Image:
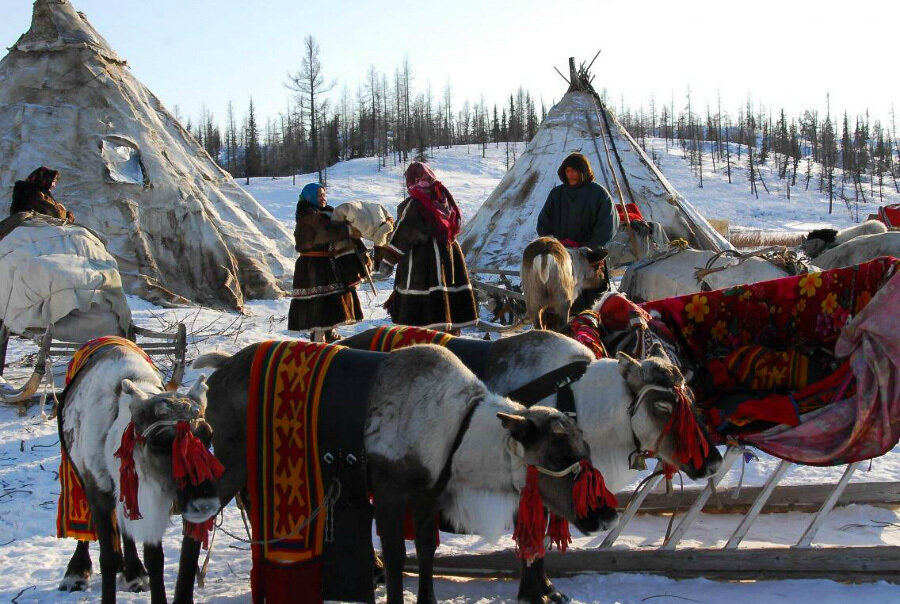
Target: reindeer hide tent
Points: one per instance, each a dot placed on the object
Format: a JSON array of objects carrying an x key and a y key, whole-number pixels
[
  {"x": 175, "y": 222},
  {"x": 498, "y": 233}
]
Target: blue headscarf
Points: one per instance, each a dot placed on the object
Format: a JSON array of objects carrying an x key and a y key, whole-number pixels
[
  {"x": 311, "y": 193},
  {"x": 309, "y": 198}
]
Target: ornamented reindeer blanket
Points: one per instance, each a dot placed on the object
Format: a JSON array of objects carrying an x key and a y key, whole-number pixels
[
  {"x": 73, "y": 514},
  {"x": 309, "y": 511}
]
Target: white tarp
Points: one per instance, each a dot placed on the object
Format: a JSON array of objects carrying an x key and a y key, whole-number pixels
[{"x": 48, "y": 271}]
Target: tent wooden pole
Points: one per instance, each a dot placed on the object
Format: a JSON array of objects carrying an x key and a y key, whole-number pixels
[{"x": 631, "y": 237}]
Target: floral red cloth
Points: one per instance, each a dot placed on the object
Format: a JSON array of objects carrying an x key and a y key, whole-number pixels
[{"x": 824, "y": 309}]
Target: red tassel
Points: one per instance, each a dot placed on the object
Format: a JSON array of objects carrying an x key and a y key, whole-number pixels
[
  {"x": 128, "y": 478},
  {"x": 199, "y": 531},
  {"x": 559, "y": 532},
  {"x": 590, "y": 490},
  {"x": 191, "y": 460},
  {"x": 530, "y": 525},
  {"x": 690, "y": 444}
]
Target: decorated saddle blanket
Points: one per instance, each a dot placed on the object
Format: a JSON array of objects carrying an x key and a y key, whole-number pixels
[
  {"x": 758, "y": 332},
  {"x": 73, "y": 514},
  {"x": 386, "y": 339},
  {"x": 309, "y": 512},
  {"x": 585, "y": 328}
]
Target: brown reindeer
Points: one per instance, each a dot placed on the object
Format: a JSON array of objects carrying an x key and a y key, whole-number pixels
[{"x": 553, "y": 277}]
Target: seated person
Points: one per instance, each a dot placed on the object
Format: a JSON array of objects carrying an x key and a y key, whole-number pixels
[
  {"x": 579, "y": 213},
  {"x": 33, "y": 194}
]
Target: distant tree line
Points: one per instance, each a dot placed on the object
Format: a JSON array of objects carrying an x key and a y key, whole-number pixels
[
  {"x": 386, "y": 117},
  {"x": 865, "y": 153}
]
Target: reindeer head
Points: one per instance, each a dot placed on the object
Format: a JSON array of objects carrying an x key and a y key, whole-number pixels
[
  {"x": 588, "y": 267},
  {"x": 166, "y": 429},
  {"x": 815, "y": 241},
  {"x": 553, "y": 443},
  {"x": 663, "y": 418}
]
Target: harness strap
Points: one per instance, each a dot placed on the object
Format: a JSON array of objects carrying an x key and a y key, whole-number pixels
[
  {"x": 444, "y": 477},
  {"x": 556, "y": 382}
]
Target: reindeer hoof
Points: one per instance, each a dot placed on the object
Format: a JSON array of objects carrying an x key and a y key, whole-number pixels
[
  {"x": 139, "y": 584},
  {"x": 72, "y": 583},
  {"x": 558, "y": 598}
]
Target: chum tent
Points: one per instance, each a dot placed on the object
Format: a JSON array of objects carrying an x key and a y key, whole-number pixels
[
  {"x": 175, "y": 222},
  {"x": 580, "y": 122}
]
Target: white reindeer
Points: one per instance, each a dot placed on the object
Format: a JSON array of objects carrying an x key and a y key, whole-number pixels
[
  {"x": 818, "y": 240},
  {"x": 860, "y": 249},
  {"x": 120, "y": 394}
]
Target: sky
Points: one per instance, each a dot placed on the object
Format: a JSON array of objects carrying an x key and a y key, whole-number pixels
[{"x": 782, "y": 53}]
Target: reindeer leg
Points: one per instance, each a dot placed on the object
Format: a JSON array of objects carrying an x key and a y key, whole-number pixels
[
  {"x": 109, "y": 557},
  {"x": 535, "y": 587},
  {"x": 133, "y": 571},
  {"x": 153, "y": 556},
  {"x": 426, "y": 543},
  {"x": 187, "y": 571},
  {"x": 390, "y": 505},
  {"x": 79, "y": 570}
]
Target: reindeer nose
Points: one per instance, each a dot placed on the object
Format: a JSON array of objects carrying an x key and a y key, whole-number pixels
[{"x": 201, "y": 510}]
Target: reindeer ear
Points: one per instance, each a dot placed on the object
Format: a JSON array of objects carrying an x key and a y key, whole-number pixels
[
  {"x": 197, "y": 393},
  {"x": 627, "y": 364},
  {"x": 520, "y": 428},
  {"x": 130, "y": 388}
]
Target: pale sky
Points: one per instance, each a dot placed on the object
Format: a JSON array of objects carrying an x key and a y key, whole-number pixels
[{"x": 783, "y": 52}]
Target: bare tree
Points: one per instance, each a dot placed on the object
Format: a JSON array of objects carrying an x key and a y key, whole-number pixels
[{"x": 310, "y": 82}]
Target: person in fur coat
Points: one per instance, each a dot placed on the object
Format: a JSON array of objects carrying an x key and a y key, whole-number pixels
[
  {"x": 326, "y": 273},
  {"x": 34, "y": 194},
  {"x": 431, "y": 287}
]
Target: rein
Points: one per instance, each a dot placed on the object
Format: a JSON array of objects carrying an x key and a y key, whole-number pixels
[
  {"x": 556, "y": 382},
  {"x": 444, "y": 477}
]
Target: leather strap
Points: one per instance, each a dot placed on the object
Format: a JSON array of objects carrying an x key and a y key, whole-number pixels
[{"x": 556, "y": 382}]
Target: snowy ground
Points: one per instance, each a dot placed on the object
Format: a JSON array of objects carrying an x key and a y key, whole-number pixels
[{"x": 31, "y": 559}]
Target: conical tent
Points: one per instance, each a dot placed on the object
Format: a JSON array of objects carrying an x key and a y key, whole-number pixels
[
  {"x": 173, "y": 219},
  {"x": 498, "y": 233}
]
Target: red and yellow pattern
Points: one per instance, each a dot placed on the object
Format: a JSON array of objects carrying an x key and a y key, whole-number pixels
[
  {"x": 387, "y": 339},
  {"x": 73, "y": 514},
  {"x": 284, "y": 475}
]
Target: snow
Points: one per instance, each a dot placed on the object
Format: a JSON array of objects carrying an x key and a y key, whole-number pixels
[{"x": 32, "y": 559}]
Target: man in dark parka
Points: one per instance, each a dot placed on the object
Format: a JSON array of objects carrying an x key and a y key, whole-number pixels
[{"x": 579, "y": 212}]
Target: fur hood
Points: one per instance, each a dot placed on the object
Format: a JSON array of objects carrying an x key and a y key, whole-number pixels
[{"x": 580, "y": 162}]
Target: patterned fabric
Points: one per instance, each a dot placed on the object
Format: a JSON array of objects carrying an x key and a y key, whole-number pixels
[
  {"x": 761, "y": 368},
  {"x": 845, "y": 421},
  {"x": 73, "y": 514},
  {"x": 585, "y": 328},
  {"x": 283, "y": 471},
  {"x": 387, "y": 339}
]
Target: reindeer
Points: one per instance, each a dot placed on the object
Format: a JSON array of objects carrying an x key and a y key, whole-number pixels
[
  {"x": 819, "y": 240},
  {"x": 553, "y": 277},
  {"x": 622, "y": 405},
  {"x": 414, "y": 457},
  {"x": 860, "y": 249},
  {"x": 119, "y": 425}
]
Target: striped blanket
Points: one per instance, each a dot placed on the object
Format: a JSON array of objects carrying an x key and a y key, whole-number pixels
[
  {"x": 386, "y": 339},
  {"x": 288, "y": 511},
  {"x": 73, "y": 514}
]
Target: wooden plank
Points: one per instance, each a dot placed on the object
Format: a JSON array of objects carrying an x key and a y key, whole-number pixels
[
  {"x": 493, "y": 271},
  {"x": 790, "y": 498},
  {"x": 493, "y": 289},
  {"x": 856, "y": 564}
]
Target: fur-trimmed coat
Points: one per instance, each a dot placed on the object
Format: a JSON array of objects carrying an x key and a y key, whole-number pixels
[
  {"x": 431, "y": 286},
  {"x": 326, "y": 273},
  {"x": 27, "y": 196}
]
